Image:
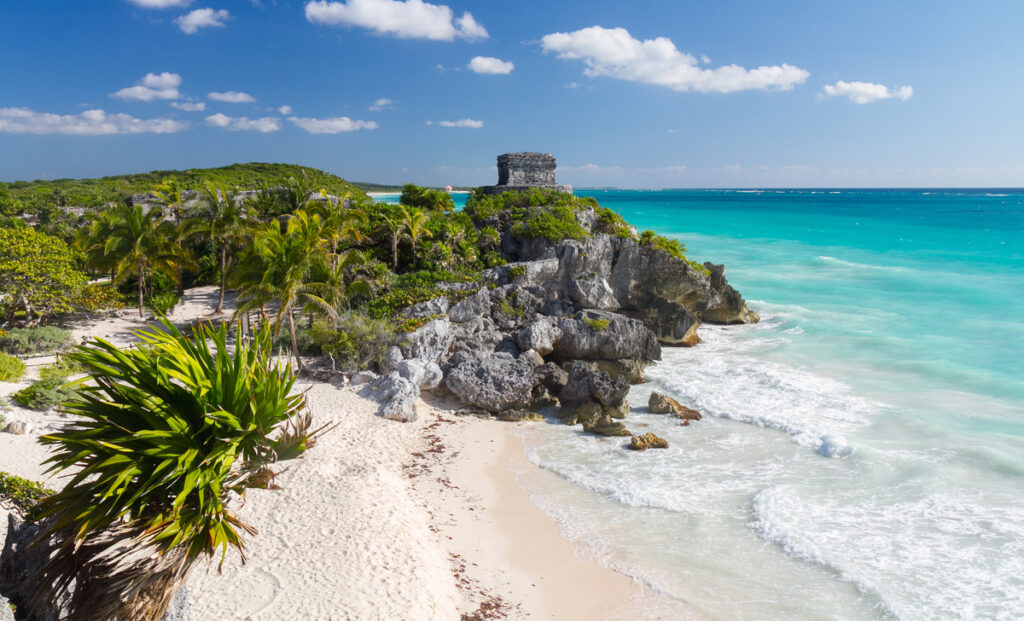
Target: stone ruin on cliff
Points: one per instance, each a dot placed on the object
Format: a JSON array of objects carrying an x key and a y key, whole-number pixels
[{"x": 522, "y": 171}]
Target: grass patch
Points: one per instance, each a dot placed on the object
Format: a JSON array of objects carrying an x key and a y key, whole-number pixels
[
  {"x": 11, "y": 369},
  {"x": 35, "y": 341},
  {"x": 20, "y": 494}
]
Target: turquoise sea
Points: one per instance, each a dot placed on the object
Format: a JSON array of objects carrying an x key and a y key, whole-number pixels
[{"x": 862, "y": 451}]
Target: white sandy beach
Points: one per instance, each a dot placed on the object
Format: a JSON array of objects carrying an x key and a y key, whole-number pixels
[{"x": 383, "y": 520}]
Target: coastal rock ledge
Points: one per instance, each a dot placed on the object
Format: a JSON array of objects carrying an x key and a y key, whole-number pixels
[{"x": 578, "y": 306}]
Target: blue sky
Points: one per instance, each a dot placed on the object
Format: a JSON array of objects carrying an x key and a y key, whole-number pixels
[{"x": 651, "y": 94}]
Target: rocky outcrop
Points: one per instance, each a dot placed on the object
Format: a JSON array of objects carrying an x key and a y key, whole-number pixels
[
  {"x": 495, "y": 383},
  {"x": 593, "y": 398},
  {"x": 396, "y": 394},
  {"x": 671, "y": 296},
  {"x": 663, "y": 404},
  {"x": 6, "y": 614},
  {"x": 600, "y": 335},
  {"x": 647, "y": 441}
]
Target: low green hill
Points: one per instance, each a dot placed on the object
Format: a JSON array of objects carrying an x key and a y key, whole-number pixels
[{"x": 31, "y": 196}]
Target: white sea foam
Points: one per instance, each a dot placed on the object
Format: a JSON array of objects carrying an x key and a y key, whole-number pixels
[
  {"x": 730, "y": 377},
  {"x": 957, "y": 551}
]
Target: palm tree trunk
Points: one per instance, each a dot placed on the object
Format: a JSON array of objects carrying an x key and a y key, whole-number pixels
[
  {"x": 394, "y": 253},
  {"x": 223, "y": 277},
  {"x": 141, "y": 281},
  {"x": 295, "y": 344}
]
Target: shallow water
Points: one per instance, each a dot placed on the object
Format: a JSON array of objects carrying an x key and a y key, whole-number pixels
[{"x": 892, "y": 336}]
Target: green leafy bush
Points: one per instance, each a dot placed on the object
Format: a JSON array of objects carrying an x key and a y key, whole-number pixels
[
  {"x": 552, "y": 223},
  {"x": 11, "y": 369},
  {"x": 670, "y": 246},
  {"x": 493, "y": 259},
  {"x": 415, "y": 287},
  {"x": 44, "y": 394},
  {"x": 63, "y": 369},
  {"x": 96, "y": 297},
  {"x": 597, "y": 325},
  {"x": 21, "y": 494},
  {"x": 515, "y": 271},
  {"x": 162, "y": 303},
  {"x": 35, "y": 341},
  {"x": 354, "y": 340},
  {"x": 38, "y": 274}
]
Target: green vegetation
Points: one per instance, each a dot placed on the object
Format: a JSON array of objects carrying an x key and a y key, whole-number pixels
[
  {"x": 597, "y": 325},
  {"x": 168, "y": 433},
  {"x": 20, "y": 494},
  {"x": 11, "y": 369},
  {"x": 515, "y": 272},
  {"x": 353, "y": 340},
  {"x": 40, "y": 341},
  {"x": 552, "y": 223},
  {"x": 39, "y": 196},
  {"x": 38, "y": 274},
  {"x": 45, "y": 393},
  {"x": 425, "y": 198}
]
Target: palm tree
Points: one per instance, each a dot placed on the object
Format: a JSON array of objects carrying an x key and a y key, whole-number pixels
[
  {"x": 394, "y": 228},
  {"x": 278, "y": 268},
  {"x": 168, "y": 194},
  {"x": 226, "y": 224},
  {"x": 414, "y": 223},
  {"x": 135, "y": 243},
  {"x": 341, "y": 223},
  {"x": 166, "y": 435}
]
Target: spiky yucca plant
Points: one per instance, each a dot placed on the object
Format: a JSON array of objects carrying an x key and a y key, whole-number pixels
[{"x": 166, "y": 434}]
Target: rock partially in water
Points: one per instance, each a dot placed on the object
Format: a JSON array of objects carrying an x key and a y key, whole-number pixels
[
  {"x": 663, "y": 404},
  {"x": 647, "y": 441}
]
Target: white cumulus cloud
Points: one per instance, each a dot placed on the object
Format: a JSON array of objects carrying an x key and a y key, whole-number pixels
[
  {"x": 614, "y": 53},
  {"x": 285, "y": 110},
  {"x": 382, "y": 104},
  {"x": 151, "y": 87},
  {"x": 161, "y": 4},
  {"x": 470, "y": 123},
  {"x": 232, "y": 97},
  {"x": 865, "y": 92},
  {"x": 331, "y": 125},
  {"x": 407, "y": 19},
  {"x": 243, "y": 124},
  {"x": 190, "y": 23},
  {"x": 489, "y": 64},
  {"x": 88, "y": 123},
  {"x": 189, "y": 106}
]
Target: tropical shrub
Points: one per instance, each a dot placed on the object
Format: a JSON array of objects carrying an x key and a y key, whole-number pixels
[
  {"x": 552, "y": 223},
  {"x": 162, "y": 303},
  {"x": 96, "y": 297},
  {"x": 355, "y": 341},
  {"x": 166, "y": 435},
  {"x": 597, "y": 325},
  {"x": 34, "y": 341},
  {"x": 425, "y": 198},
  {"x": 44, "y": 394},
  {"x": 20, "y": 494},
  {"x": 11, "y": 369},
  {"x": 670, "y": 246},
  {"x": 38, "y": 274}
]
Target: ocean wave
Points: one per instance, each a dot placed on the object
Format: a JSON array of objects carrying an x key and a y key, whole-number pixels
[
  {"x": 724, "y": 378},
  {"x": 957, "y": 552}
]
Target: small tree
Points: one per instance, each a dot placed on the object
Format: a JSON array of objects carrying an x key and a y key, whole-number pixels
[
  {"x": 425, "y": 198},
  {"x": 414, "y": 228},
  {"x": 37, "y": 274}
]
